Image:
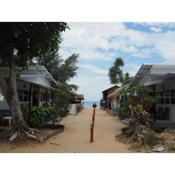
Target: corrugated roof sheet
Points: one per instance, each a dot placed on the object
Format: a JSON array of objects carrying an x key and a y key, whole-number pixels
[
  {"x": 37, "y": 75},
  {"x": 116, "y": 92},
  {"x": 154, "y": 74}
]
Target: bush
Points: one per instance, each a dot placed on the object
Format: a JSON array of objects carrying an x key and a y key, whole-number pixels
[
  {"x": 49, "y": 111},
  {"x": 139, "y": 115},
  {"x": 39, "y": 114},
  {"x": 150, "y": 139},
  {"x": 134, "y": 95}
]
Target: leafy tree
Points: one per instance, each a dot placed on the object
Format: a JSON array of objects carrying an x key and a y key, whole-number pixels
[
  {"x": 116, "y": 74},
  {"x": 126, "y": 78},
  {"x": 67, "y": 70},
  {"x": 50, "y": 59},
  {"x": 61, "y": 70},
  {"x": 19, "y": 44},
  {"x": 62, "y": 100}
]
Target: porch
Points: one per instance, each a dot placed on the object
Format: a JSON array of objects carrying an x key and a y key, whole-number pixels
[{"x": 34, "y": 86}]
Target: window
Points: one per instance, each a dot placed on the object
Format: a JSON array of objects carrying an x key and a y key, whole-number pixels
[
  {"x": 23, "y": 95},
  {"x": 162, "y": 101},
  {"x": 158, "y": 95},
  {"x": 167, "y": 97},
  {"x": 172, "y": 96}
]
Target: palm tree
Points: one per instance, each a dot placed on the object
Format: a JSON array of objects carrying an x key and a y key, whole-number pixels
[
  {"x": 115, "y": 72},
  {"x": 126, "y": 78}
]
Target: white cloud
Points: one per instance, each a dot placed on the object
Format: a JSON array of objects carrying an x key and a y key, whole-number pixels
[
  {"x": 94, "y": 69},
  {"x": 91, "y": 86},
  {"x": 132, "y": 69},
  {"x": 94, "y": 40},
  {"x": 156, "y": 29},
  {"x": 85, "y": 38}
]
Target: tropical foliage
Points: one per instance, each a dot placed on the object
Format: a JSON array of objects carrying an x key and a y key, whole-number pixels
[
  {"x": 62, "y": 101},
  {"x": 20, "y": 43},
  {"x": 39, "y": 115},
  {"x": 135, "y": 95},
  {"x": 138, "y": 115},
  {"x": 116, "y": 74}
]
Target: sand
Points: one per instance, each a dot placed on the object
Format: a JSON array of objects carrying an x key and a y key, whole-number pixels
[{"x": 75, "y": 137}]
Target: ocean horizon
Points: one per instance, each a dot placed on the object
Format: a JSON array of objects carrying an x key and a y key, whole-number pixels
[{"x": 88, "y": 104}]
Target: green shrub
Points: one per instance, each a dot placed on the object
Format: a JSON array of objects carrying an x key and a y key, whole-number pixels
[
  {"x": 48, "y": 110},
  {"x": 150, "y": 139},
  {"x": 39, "y": 114}
]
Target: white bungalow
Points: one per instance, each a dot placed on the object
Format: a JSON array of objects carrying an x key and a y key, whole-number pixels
[
  {"x": 35, "y": 86},
  {"x": 161, "y": 79}
]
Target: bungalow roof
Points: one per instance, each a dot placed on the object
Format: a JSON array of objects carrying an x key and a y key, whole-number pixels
[
  {"x": 37, "y": 75},
  {"x": 117, "y": 91},
  {"x": 154, "y": 74},
  {"x": 111, "y": 88}
]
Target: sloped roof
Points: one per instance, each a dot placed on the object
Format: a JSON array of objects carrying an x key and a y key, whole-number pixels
[
  {"x": 111, "y": 88},
  {"x": 144, "y": 69},
  {"x": 116, "y": 92},
  {"x": 154, "y": 74},
  {"x": 37, "y": 75}
]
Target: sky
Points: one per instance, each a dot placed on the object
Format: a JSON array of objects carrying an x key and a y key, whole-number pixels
[{"x": 99, "y": 44}]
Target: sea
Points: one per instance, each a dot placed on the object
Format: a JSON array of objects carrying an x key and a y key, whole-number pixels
[{"x": 88, "y": 104}]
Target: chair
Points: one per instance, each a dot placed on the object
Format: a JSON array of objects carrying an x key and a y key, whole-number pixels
[{"x": 8, "y": 119}]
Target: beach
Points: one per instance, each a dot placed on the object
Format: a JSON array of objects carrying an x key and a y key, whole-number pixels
[{"x": 75, "y": 137}]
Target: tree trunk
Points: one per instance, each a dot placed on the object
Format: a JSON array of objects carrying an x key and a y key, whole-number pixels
[{"x": 18, "y": 121}]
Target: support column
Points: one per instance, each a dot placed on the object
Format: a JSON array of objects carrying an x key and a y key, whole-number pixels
[
  {"x": 154, "y": 105},
  {"x": 46, "y": 97},
  {"x": 30, "y": 97},
  {"x": 39, "y": 95}
]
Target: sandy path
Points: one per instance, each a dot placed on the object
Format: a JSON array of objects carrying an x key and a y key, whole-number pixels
[{"x": 75, "y": 138}]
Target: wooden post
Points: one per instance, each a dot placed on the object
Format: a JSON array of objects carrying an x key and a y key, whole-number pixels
[
  {"x": 91, "y": 133},
  {"x": 46, "y": 96},
  {"x": 94, "y": 114},
  {"x": 92, "y": 127}
]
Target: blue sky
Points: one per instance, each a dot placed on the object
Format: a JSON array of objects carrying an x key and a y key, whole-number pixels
[{"x": 100, "y": 43}]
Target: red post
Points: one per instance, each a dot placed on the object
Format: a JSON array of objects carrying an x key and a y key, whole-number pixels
[
  {"x": 92, "y": 125},
  {"x": 94, "y": 114},
  {"x": 91, "y": 133},
  {"x": 93, "y": 119}
]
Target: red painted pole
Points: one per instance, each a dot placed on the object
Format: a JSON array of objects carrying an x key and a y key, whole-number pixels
[
  {"x": 92, "y": 127},
  {"x": 91, "y": 133},
  {"x": 94, "y": 114}
]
